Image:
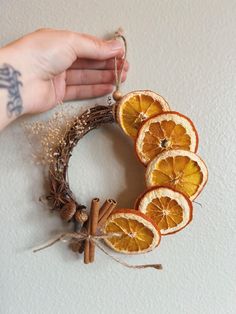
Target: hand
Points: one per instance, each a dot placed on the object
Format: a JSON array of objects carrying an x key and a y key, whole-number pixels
[{"x": 60, "y": 66}]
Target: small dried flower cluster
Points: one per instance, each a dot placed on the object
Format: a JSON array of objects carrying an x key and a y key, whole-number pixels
[{"x": 46, "y": 136}]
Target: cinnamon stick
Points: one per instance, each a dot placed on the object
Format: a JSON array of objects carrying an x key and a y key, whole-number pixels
[
  {"x": 86, "y": 243},
  {"x": 102, "y": 219},
  {"x": 97, "y": 218},
  {"x": 94, "y": 213},
  {"x": 104, "y": 208}
]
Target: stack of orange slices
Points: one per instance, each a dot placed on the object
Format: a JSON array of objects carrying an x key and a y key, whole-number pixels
[{"x": 165, "y": 143}]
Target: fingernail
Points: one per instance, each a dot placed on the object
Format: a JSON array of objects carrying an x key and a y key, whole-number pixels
[{"x": 115, "y": 45}]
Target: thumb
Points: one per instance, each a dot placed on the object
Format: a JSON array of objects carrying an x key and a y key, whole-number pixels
[{"x": 91, "y": 47}]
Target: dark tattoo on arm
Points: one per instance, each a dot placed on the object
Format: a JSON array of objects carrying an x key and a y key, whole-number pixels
[{"x": 9, "y": 80}]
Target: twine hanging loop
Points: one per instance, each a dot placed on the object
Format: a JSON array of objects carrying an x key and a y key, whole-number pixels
[{"x": 117, "y": 95}]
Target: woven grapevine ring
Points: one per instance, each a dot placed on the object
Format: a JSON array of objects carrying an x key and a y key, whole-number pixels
[{"x": 61, "y": 196}]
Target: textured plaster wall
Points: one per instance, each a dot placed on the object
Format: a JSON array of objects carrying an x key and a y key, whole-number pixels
[{"x": 185, "y": 50}]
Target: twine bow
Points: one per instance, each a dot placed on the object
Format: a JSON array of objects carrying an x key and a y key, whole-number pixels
[{"x": 81, "y": 236}]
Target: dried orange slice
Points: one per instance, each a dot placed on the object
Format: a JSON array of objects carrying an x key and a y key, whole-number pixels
[
  {"x": 179, "y": 169},
  {"x": 134, "y": 233},
  {"x": 136, "y": 107},
  {"x": 165, "y": 131},
  {"x": 169, "y": 209}
]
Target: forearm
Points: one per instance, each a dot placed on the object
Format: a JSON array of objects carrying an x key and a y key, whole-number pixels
[{"x": 11, "y": 85}]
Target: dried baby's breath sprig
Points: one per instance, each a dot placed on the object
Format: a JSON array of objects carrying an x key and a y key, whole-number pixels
[{"x": 44, "y": 136}]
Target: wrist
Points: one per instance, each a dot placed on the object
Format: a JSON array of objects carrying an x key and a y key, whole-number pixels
[{"x": 11, "y": 87}]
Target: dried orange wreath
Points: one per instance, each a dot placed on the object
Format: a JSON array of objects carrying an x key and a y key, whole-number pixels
[{"x": 165, "y": 143}]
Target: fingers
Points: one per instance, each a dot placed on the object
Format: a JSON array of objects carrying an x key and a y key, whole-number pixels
[
  {"x": 90, "y": 47},
  {"x": 98, "y": 64},
  {"x": 87, "y": 91},
  {"x": 89, "y": 77}
]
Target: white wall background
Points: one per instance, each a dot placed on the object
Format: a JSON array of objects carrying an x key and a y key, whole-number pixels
[{"x": 185, "y": 50}]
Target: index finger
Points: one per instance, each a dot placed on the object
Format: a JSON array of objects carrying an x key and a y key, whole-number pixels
[{"x": 91, "y": 47}]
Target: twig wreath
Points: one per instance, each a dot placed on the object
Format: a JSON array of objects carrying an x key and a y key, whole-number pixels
[{"x": 165, "y": 142}]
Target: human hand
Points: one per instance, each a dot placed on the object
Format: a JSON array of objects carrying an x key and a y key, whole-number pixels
[{"x": 57, "y": 66}]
